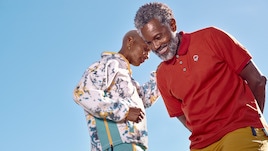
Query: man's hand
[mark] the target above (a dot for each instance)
(135, 115)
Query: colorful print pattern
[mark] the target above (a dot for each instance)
(107, 90)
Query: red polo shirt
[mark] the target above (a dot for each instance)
(203, 84)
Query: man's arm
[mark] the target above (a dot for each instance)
(182, 119)
(256, 82)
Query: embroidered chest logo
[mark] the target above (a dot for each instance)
(195, 58)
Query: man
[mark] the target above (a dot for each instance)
(114, 103)
(207, 80)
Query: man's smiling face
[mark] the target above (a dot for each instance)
(160, 39)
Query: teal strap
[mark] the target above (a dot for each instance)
(108, 133)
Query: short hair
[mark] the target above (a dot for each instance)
(153, 10)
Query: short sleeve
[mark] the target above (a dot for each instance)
(229, 49)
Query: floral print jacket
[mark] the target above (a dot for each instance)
(105, 92)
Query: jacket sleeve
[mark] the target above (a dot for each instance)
(149, 91)
(92, 92)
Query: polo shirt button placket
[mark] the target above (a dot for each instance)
(184, 68)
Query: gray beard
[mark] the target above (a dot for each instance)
(173, 44)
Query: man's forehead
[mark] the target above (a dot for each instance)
(151, 28)
(152, 25)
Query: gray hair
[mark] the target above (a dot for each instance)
(154, 10)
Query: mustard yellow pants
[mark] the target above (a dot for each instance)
(243, 139)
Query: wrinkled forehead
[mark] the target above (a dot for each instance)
(151, 29)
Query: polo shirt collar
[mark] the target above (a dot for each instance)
(182, 48)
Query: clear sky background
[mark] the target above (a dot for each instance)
(45, 46)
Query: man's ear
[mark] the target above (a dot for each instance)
(173, 25)
(130, 41)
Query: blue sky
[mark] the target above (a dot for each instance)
(45, 46)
